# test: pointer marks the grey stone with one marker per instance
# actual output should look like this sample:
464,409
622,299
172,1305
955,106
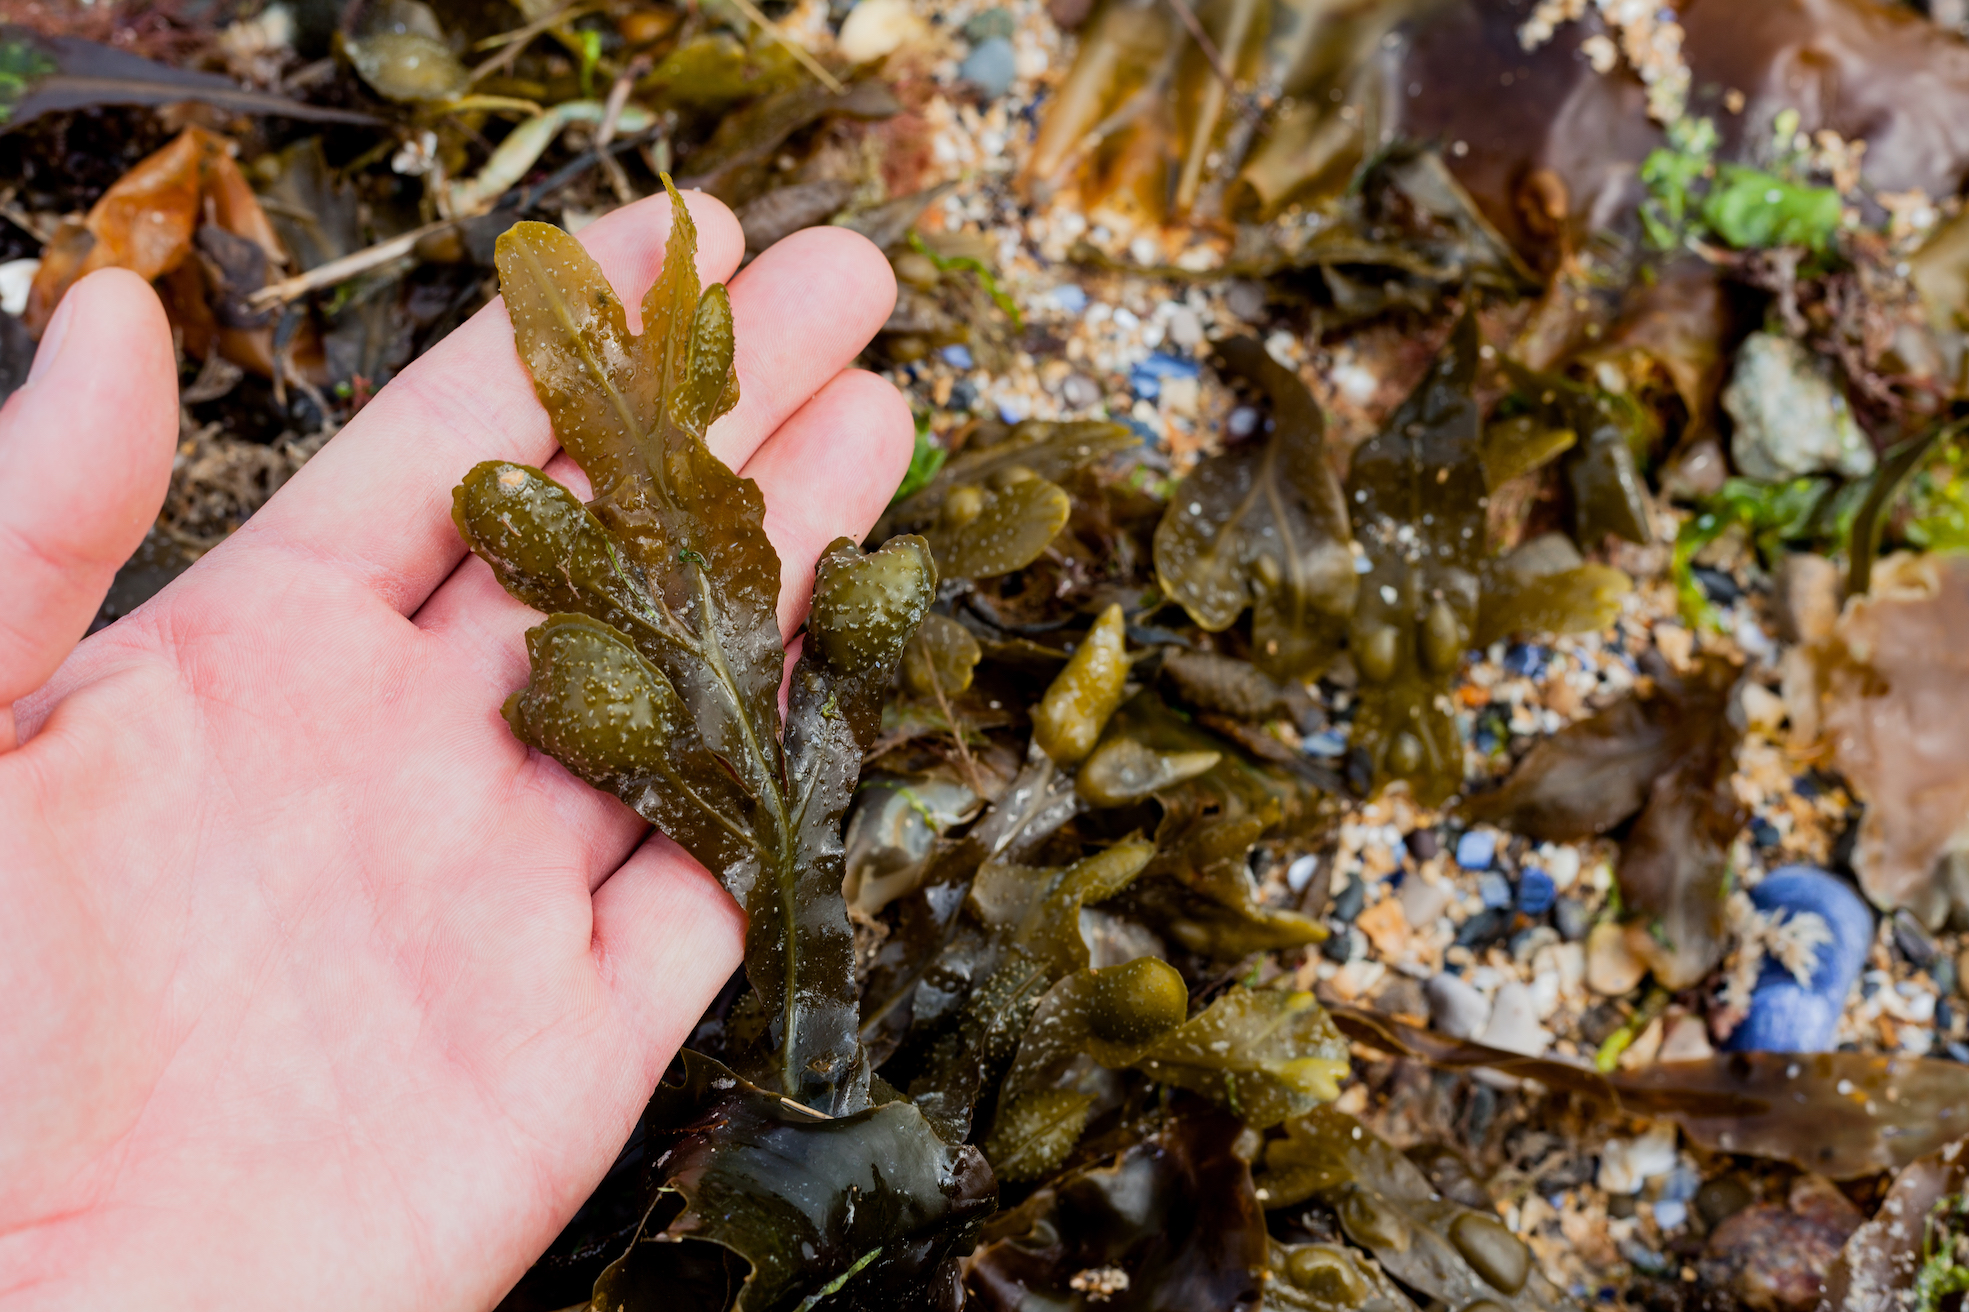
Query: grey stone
1455,1008
1790,418
1186,328
1514,1023
1080,391
990,67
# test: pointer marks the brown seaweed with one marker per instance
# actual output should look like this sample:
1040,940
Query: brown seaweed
1263,526
1667,756
1841,1114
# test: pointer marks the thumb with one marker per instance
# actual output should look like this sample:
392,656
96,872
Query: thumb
85,458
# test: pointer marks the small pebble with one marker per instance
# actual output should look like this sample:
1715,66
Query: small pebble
1069,297
1424,901
1514,1023
1080,391
1912,938
1526,660
1300,873
1186,329
1483,929
1476,849
1786,1016
1455,1008
1246,300
1562,863
1627,1164
1942,971
1716,585
1612,968
1495,889
1535,892
964,395
1347,944
875,28
1147,377
956,355
1682,1185
1327,742
1348,902
1423,844
1572,919
990,67
1243,422
1670,1215
1722,1198
1686,1039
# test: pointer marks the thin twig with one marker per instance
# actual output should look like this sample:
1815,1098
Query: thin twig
338,271
362,261
969,766
794,48
618,96
516,40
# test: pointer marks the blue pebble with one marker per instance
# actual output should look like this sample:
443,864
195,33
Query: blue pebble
1069,297
1476,849
1526,660
1957,1051
1786,1016
1327,742
1147,377
1495,890
956,355
990,67
1536,892
1763,833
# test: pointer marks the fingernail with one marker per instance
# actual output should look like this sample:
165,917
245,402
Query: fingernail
51,341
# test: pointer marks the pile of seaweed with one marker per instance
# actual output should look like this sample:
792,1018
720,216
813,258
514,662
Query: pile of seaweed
1024,1036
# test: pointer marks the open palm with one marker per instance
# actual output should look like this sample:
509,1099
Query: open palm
317,989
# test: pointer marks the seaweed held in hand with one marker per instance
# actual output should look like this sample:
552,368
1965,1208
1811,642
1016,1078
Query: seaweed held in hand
1263,526
657,677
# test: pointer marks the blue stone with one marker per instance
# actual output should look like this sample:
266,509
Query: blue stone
956,355
1327,742
1536,892
1957,1051
1147,377
1526,660
1763,833
1786,1016
1476,849
1069,297
990,67
1495,890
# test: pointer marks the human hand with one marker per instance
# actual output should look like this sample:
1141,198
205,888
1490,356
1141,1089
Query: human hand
316,987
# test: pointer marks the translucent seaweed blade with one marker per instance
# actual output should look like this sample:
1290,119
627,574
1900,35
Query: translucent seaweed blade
574,339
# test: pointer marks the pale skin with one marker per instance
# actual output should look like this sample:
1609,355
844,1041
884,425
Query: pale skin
317,988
